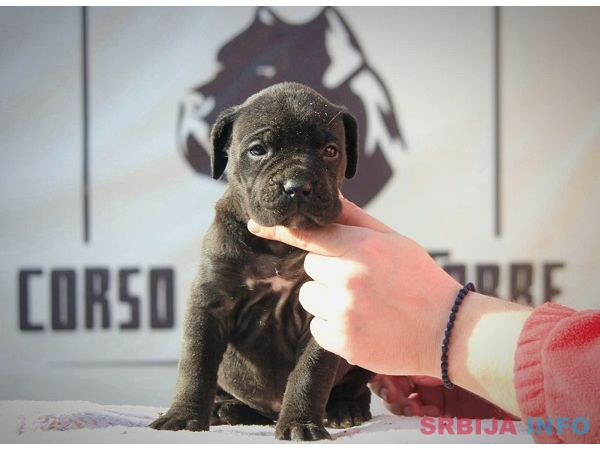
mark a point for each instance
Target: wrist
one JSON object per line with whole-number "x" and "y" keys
{"x": 462, "y": 293}
{"x": 442, "y": 304}
{"x": 482, "y": 348}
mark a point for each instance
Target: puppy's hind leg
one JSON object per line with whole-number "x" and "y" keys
{"x": 350, "y": 400}
{"x": 230, "y": 411}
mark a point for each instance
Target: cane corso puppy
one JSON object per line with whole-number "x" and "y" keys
{"x": 248, "y": 356}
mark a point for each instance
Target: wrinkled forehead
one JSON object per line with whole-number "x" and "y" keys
{"x": 310, "y": 121}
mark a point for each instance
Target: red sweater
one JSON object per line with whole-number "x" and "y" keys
{"x": 557, "y": 371}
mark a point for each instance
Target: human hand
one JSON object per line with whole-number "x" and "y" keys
{"x": 379, "y": 300}
{"x": 425, "y": 396}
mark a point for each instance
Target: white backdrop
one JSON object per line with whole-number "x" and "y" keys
{"x": 149, "y": 208}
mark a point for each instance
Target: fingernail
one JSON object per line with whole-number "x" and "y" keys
{"x": 384, "y": 393}
{"x": 253, "y": 227}
{"x": 408, "y": 411}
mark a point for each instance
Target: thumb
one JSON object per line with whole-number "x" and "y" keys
{"x": 330, "y": 240}
{"x": 352, "y": 214}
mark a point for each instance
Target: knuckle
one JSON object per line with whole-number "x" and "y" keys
{"x": 306, "y": 291}
{"x": 303, "y": 290}
{"x": 309, "y": 263}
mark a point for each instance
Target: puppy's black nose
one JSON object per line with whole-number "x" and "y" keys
{"x": 296, "y": 187}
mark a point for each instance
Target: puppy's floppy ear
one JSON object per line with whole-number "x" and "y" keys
{"x": 220, "y": 139}
{"x": 351, "y": 130}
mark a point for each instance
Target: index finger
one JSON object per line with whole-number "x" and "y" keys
{"x": 352, "y": 214}
{"x": 330, "y": 240}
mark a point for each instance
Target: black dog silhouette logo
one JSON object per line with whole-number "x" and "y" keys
{"x": 322, "y": 53}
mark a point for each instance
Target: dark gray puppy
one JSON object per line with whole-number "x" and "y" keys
{"x": 247, "y": 340}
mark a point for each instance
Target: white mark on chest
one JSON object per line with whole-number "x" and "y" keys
{"x": 276, "y": 284}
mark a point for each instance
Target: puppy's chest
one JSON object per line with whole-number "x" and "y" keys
{"x": 270, "y": 284}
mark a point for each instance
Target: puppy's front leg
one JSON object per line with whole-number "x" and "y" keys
{"x": 205, "y": 336}
{"x": 306, "y": 395}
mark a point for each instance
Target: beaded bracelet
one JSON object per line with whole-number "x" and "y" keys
{"x": 459, "y": 298}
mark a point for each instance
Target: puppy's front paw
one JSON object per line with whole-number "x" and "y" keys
{"x": 346, "y": 414}
{"x": 295, "y": 431}
{"x": 181, "y": 419}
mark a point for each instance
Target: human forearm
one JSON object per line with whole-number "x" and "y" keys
{"x": 482, "y": 348}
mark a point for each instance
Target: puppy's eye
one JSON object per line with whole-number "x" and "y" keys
{"x": 330, "y": 152}
{"x": 257, "y": 150}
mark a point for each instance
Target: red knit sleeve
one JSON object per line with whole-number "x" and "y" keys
{"x": 557, "y": 374}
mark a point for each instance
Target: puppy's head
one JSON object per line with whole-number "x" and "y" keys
{"x": 287, "y": 150}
